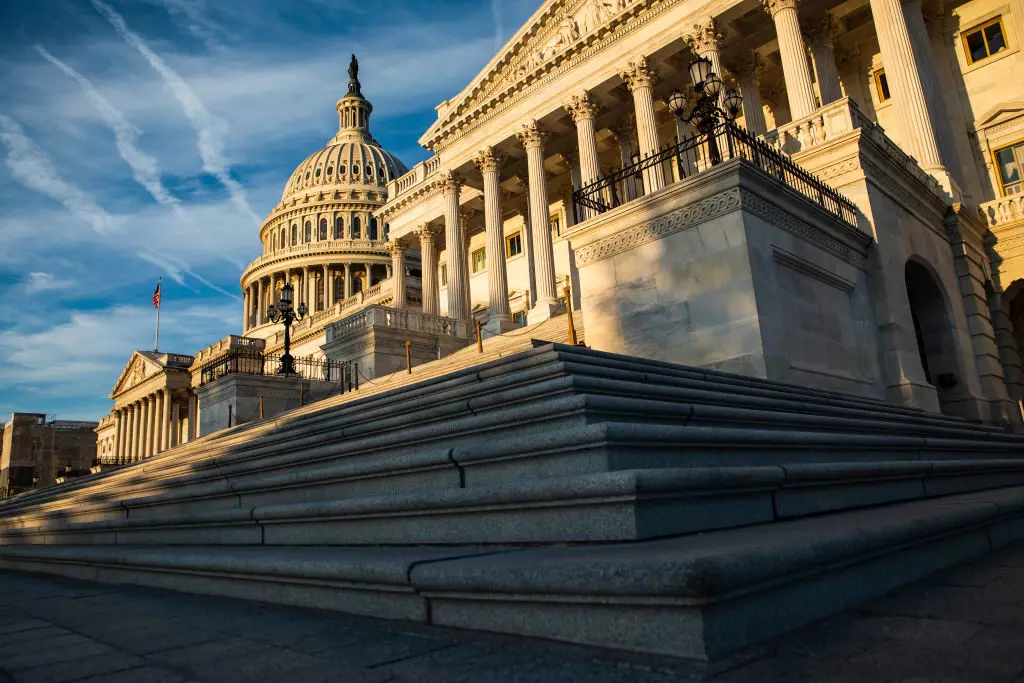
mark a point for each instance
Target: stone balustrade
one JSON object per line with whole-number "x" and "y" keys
{"x": 399, "y": 319}
{"x": 310, "y": 248}
{"x": 380, "y": 291}
{"x": 419, "y": 173}
{"x": 1003, "y": 211}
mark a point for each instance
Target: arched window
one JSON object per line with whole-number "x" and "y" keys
{"x": 283, "y": 242}
{"x": 356, "y": 228}
{"x": 387, "y": 231}
{"x": 295, "y": 234}
{"x": 339, "y": 228}
{"x": 373, "y": 228}
{"x": 309, "y": 232}
{"x": 323, "y": 228}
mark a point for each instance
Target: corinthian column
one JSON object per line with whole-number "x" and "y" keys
{"x": 455, "y": 246}
{"x": 261, "y": 301}
{"x": 748, "y": 74}
{"x": 165, "y": 421}
{"x": 706, "y": 42}
{"x": 428, "y": 262}
{"x": 639, "y": 78}
{"x": 500, "y": 319}
{"x": 546, "y": 300}
{"x": 397, "y": 252}
{"x": 820, "y": 33}
{"x": 582, "y": 109}
{"x": 799, "y": 89}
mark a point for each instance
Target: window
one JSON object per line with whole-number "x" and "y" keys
{"x": 341, "y": 169}
{"x": 556, "y": 226}
{"x": 1010, "y": 166}
{"x": 323, "y": 228}
{"x": 295, "y": 235}
{"x": 284, "y": 239}
{"x": 514, "y": 245}
{"x": 520, "y": 318}
{"x": 444, "y": 274}
{"x": 984, "y": 41}
{"x": 882, "y": 86}
{"x": 357, "y": 231}
{"x": 317, "y": 174}
{"x": 373, "y": 228}
{"x": 387, "y": 230}
{"x": 308, "y": 232}
{"x": 339, "y": 228}
{"x": 330, "y": 170}
{"x": 479, "y": 260}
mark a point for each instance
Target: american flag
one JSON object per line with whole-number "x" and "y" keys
{"x": 156, "y": 296}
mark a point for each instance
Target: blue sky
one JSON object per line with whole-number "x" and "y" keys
{"x": 148, "y": 138}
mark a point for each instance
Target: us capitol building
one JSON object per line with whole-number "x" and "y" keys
{"x": 861, "y": 229}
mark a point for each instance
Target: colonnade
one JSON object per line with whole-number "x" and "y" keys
{"x": 152, "y": 424}
{"x": 309, "y": 285}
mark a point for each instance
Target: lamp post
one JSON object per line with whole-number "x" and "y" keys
{"x": 286, "y": 313}
{"x": 702, "y": 102}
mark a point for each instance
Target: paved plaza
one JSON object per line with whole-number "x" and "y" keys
{"x": 964, "y": 625}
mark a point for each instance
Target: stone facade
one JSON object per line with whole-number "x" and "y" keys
{"x": 36, "y": 452}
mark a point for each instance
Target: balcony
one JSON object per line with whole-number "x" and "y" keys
{"x": 419, "y": 174}
{"x": 313, "y": 248}
{"x": 1003, "y": 212}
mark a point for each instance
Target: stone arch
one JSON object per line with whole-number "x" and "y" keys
{"x": 936, "y": 342}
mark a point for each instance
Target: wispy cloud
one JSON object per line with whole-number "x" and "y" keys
{"x": 36, "y": 282}
{"x": 209, "y": 128}
{"x": 145, "y": 169}
{"x": 196, "y": 20}
{"x": 499, "y": 27}
{"x": 177, "y": 269}
{"x": 34, "y": 169}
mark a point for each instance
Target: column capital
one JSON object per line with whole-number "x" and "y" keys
{"x": 426, "y": 233}
{"x": 531, "y": 135}
{"x": 487, "y": 160}
{"x": 749, "y": 66}
{"x": 638, "y": 74}
{"x": 581, "y": 106}
{"x": 451, "y": 183}
{"x": 819, "y": 29}
{"x": 395, "y": 248}
{"x": 773, "y": 7}
{"x": 705, "y": 37}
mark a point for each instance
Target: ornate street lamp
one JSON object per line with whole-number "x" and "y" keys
{"x": 286, "y": 313}
{"x": 702, "y": 102}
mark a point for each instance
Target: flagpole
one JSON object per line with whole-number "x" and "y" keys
{"x": 160, "y": 301}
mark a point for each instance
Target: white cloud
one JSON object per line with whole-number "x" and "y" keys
{"x": 209, "y": 128}
{"x": 34, "y": 169}
{"x": 196, "y": 20}
{"x": 36, "y": 282}
{"x": 145, "y": 168}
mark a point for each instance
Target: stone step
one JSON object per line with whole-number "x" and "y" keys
{"x": 698, "y": 595}
{"x": 618, "y": 506}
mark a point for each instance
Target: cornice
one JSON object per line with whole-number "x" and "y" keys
{"x": 252, "y": 269}
{"x": 423, "y": 191}
{"x": 467, "y": 113}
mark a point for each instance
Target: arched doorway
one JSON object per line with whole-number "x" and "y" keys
{"x": 936, "y": 345}
{"x": 1015, "y": 307}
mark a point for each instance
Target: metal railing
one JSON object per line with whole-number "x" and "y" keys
{"x": 697, "y": 154}
{"x": 240, "y": 362}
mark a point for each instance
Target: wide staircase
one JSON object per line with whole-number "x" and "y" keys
{"x": 551, "y": 491}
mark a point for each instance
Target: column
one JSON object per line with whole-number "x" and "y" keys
{"x": 348, "y": 280}
{"x": 132, "y": 431}
{"x": 705, "y": 41}
{"x": 820, "y": 33}
{"x": 307, "y": 290}
{"x": 494, "y": 228}
{"x": 193, "y": 429}
{"x": 428, "y": 258}
{"x": 582, "y": 109}
{"x": 455, "y": 248}
{"x": 175, "y": 424}
{"x": 245, "y": 309}
{"x": 136, "y": 431}
{"x": 261, "y": 302}
{"x": 625, "y": 134}
{"x": 639, "y": 78}
{"x": 119, "y": 435}
{"x": 546, "y": 299}
{"x": 929, "y": 78}
{"x": 165, "y": 422}
{"x": 397, "y": 272}
{"x": 328, "y": 287}
{"x": 799, "y": 89}
{"x": 151, "y": 411}
{"x": 748, "y": 74}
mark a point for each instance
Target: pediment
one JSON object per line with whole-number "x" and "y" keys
{"x": 999, "y": 115}
{"x": 551, "y": 33}
{"x": 136, "y": 371}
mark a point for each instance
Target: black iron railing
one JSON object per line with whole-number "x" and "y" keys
{"x": 254, "y": 363}
{"x": 699, "y": 153}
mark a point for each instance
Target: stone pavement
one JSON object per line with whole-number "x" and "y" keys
{"x": 965, "y": 625}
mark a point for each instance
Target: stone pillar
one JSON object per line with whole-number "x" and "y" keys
{"x": 705, "y": 41}
{"x": 428, "y": 257}
{"x": 140, "y": 450}
{"x": 546, "y": 298}
{"x": 348, "y": 280}
{"x": 151, "y": 411}
{"x": 193, "y": 413}
{"x": 820, "y": 33}
{"x": 119, "y": 435}
{"x": 175, "y": 424}
{"x": 639, "y": 78}
{"x": 305, "y": 289}
{"x": 246, "y": 308}
{"x": 583, "y": 110}
{"x": 901, "y": 72}
{"x": 932, "y": 89}
{"x": 625, "y": 134}
{"x": 397, "y": 252}
{"x": 455, "y": 246}
{"x": 165, "y": 422}
{"x": 748, "y": 74}
{"x": 799, "y": 89}
{"x": 328, "y": 287}
{"x": 261, "y": 302}
{"x": 500, "y": 319}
